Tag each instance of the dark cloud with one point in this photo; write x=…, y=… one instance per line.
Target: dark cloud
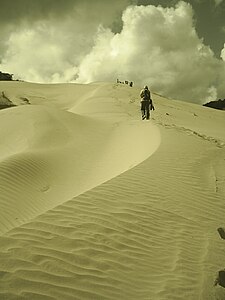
x=32, y=10
x=209, y=23
x=14, y=11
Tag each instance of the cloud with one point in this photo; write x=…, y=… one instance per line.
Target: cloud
x=159, y=47
x=223, y=53
x=156, y=46
x=218, y=2
x=48, y=46
x=44, y=53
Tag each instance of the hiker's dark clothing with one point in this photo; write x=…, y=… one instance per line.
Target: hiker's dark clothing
x=145, y=109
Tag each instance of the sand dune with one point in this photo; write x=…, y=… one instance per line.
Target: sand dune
x=51, y=153
x=97, y=204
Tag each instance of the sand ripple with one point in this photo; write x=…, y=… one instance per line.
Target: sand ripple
x=122, y=239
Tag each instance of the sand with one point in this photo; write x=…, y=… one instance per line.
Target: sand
x=97, y=204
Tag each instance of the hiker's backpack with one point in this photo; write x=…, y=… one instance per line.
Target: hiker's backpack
x=146, y=94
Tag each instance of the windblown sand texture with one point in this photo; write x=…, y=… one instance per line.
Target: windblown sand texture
x=97, y=204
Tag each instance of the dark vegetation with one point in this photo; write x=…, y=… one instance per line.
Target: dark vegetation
x=218, y=104
x=6, y=76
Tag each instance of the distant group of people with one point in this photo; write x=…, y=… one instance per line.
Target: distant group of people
x=146, y=103
x=130, y=83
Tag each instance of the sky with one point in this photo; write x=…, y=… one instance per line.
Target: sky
x=175, y=47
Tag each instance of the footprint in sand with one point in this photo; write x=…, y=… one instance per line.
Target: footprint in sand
x=221, y=232
x=220, y=279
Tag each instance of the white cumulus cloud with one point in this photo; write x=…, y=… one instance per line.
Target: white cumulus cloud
x=159, y=47
x=156, y=46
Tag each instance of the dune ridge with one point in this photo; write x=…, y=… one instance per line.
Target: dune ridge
x=150, y=232
x=59, y=154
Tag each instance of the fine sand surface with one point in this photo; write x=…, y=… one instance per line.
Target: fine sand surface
x=97, y=204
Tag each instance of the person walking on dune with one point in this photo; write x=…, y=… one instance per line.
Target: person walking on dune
x=146, y=103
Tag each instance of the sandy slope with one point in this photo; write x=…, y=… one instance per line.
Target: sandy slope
x=147, y=233
x=50, y=153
